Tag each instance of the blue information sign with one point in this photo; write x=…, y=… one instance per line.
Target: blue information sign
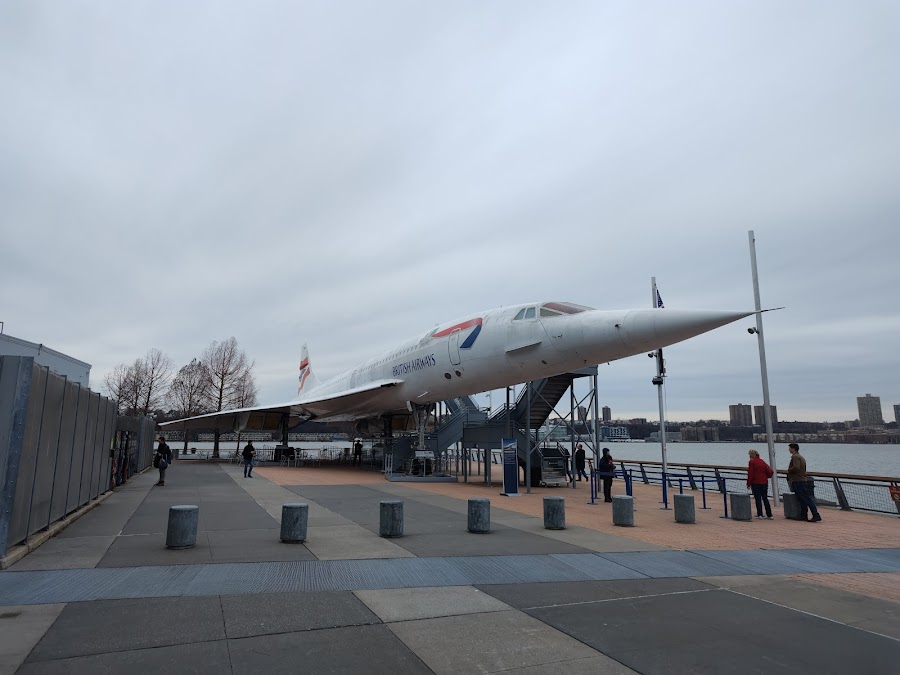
x=510, y=467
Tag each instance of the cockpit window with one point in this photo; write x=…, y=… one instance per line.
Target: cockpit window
x=520, y=315
x=556, y=308
x=546, y=312
x=529, y=313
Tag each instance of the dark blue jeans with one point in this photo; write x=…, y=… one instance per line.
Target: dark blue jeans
x=806, y=501
x=761, y=495
x=248, y=467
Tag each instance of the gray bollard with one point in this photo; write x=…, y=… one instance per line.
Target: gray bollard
x=554, y=513
x=623, y=510
x=182, y=528
x=480, y=516
x=791, y=505
x=684, y=509
x=391, y=523
x=740, y=506
x=293, y=522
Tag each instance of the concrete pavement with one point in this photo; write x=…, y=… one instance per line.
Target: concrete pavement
x=105, y=595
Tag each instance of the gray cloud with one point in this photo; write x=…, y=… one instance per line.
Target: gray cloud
x=350, y=174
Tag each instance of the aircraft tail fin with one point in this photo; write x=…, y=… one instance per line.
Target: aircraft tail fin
x=307, y=379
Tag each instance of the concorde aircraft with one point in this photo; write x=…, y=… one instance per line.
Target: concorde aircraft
x=485, y=351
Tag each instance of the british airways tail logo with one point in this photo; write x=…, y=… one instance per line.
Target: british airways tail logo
x=475, y=324
x=304, y=373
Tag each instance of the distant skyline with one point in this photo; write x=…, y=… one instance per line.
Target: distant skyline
x=347, y=175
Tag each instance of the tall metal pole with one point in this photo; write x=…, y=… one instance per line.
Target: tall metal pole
x=767, y=409
x=658, y=381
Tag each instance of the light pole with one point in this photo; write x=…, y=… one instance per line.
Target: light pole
x=659, y=380
x=767, y=409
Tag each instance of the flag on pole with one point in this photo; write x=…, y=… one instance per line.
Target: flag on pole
x=659, y=302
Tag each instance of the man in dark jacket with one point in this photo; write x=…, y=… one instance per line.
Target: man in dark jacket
x=579, y=462
x=606, y=467
x=796, y=475
x=163, y=459
x=248, y=453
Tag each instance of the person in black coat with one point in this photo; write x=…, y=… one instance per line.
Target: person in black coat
x=606, y=467
x=162, y=460
x=579, y=462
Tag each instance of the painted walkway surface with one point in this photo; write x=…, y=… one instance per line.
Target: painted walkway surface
x=716, y=596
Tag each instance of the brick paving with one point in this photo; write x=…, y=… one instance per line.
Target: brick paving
x=838, y=529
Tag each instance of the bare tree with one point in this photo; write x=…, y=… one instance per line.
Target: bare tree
x=139, y=388
x=117, y=384
x=189, y=392
x=155, y=370
x=246, y=396
x=229, y=371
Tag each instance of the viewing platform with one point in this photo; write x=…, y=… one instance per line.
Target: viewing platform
x=106, y=595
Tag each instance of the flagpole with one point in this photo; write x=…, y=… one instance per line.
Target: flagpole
x=767, y=409
x=658, y=381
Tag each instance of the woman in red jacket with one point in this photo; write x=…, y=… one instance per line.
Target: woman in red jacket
x=758, y=475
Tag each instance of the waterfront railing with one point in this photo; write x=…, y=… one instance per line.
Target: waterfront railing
x=845, y=491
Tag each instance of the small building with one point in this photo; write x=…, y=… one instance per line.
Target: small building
x=61, y=364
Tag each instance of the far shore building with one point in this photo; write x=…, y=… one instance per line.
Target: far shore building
x=740, y=415
x=607, y=413
x=57, y=362
x=759, y=414
x=897, y=414
x=869, y=411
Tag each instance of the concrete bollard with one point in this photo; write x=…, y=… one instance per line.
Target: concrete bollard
x=294, y=517
x=554, y=513
x=480, y=516
x=182, y=529
x=791, y=506
x=740, y=506
x=623, y=510
x=684, y=509
x=391, y=522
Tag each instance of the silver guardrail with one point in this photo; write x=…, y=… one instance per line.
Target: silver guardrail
x=845, y=491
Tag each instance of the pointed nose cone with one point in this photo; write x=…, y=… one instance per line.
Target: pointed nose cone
x=654, y=328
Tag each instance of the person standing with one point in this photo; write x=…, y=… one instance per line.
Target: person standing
x=357, y=452
x=606, y=467
x=579, y=462
x=758, y=475
x=162, y=459
x=567, y=462
x=796, y=475
x=247, y=454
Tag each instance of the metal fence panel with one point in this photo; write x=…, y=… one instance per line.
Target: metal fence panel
x=81, y=419
x=107, y=432
x=15, y=384
x=18, y=528
x=90, y=439
x=48, y=446
x=64, y=456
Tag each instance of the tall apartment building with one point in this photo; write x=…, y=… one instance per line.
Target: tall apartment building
x=607, y=414
x=759, y=414
x=869, y=411
x=739, y=415
x=897, y=413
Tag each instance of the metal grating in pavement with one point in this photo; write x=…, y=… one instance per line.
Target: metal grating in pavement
x=108, y=583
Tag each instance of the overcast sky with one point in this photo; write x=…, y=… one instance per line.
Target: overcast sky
x=348, y=174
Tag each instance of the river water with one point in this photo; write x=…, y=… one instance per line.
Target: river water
x=867, y=460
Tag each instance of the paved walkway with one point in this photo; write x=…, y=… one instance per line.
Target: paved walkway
x=762, y=596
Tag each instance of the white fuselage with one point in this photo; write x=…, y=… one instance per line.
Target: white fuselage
x=508, y=346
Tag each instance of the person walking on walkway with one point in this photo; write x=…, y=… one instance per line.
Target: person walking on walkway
x=758, y=475
x=357, y=453
x=606, y=467
x=579, y=462
x=247, y=454
x=796, y=475
x=162, y=459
